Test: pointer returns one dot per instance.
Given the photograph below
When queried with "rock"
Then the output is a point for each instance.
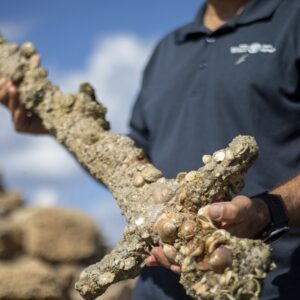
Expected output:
(9, 202)
(28, 279)
(59, 235)
(10, 239)
(67, 275)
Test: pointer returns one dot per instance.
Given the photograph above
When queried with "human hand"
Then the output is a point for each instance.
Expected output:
(242, 217)
(23, 120)
(158, 258)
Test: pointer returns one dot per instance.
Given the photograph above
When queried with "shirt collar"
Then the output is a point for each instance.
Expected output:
(255, 11)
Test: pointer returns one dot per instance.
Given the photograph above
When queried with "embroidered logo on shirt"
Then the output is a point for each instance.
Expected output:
(253, 48)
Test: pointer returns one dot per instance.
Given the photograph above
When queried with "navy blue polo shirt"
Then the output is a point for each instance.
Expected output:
(201, 89)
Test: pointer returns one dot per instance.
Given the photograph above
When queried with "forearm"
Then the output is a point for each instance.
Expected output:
(290, 193)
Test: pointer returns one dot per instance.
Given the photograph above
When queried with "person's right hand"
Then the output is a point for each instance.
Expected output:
(24, 121)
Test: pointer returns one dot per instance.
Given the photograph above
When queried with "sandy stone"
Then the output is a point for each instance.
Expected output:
(28, 279)
(58, 235)
(10, 239)
(9, 202)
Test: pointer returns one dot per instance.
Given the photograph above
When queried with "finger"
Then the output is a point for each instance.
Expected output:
(13, 101)
(228, 212)
(19, 118)
(2, 81)
(151, 261)
(3, 92)
(35, 60)
(158, 253)
(175, 269)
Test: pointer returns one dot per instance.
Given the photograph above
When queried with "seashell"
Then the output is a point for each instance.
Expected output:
(200, 289)
(40, 72)
(180, 176)
(67, 100)
(220, 259)
(219, 156)
(254, 286)
(161, 193)
(237, 186)
(140, 154)
(27, 49)
(206, 158)
(188, 229)
(139, 221)
(191, 176)
(18, 75)
(187, 264)
(170, 252)
(182, 195)
(204, 219)
(87, 89)
(151, 174)
(203, 265)
(216, 239)
(167, 229)
(179, 207)
(141, 167)
(198, 251)
(145, 235)
(229, 155)
(105, 278)
(226, 277)
(210, 166)
(129, 263)
(138, 181)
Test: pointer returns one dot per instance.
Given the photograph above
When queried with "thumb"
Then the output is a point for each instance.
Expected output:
(226, 212)
(215, 211)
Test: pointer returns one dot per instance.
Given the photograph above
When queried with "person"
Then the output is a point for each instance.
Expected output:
(233, 70)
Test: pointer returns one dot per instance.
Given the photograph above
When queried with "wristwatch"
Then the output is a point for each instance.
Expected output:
(279, 221)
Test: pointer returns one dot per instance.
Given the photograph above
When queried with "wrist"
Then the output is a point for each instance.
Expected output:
(275, 219)
(263, 217)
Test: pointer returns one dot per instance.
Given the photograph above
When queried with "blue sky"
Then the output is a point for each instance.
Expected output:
(104, 42)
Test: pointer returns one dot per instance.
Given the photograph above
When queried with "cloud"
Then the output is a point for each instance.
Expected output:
(41, 157)
(45, 196)
(107, 216)
(114, 68)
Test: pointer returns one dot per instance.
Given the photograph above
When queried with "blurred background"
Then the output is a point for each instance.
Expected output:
(106, 43)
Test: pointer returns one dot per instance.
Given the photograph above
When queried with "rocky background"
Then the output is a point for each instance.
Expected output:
(43, 250)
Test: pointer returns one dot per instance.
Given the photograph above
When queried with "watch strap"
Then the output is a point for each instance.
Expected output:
(279, 220)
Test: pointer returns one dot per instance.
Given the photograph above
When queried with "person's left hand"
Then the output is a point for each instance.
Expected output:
(242, 217)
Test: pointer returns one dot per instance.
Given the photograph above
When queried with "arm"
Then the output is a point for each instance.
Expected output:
(290, 193)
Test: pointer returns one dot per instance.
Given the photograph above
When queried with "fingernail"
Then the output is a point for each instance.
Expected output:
(215, 211)
(175, 268)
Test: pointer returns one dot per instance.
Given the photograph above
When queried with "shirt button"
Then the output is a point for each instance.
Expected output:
(210, 40)
(202, 65)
